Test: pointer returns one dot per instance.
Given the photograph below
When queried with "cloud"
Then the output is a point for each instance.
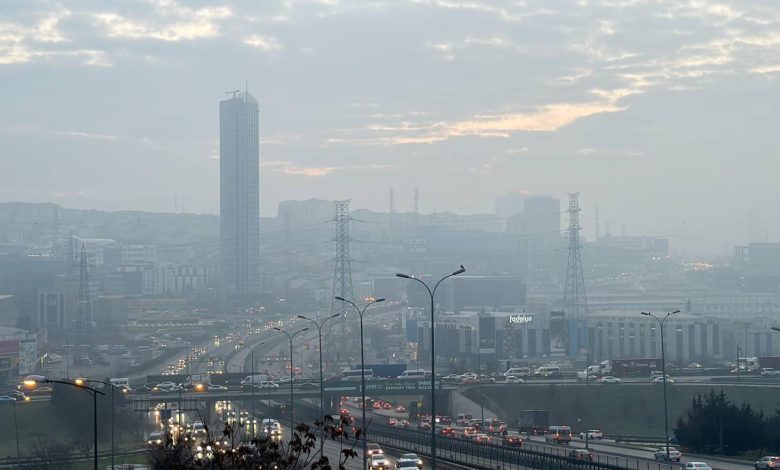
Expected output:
(89, 135)
(168, 21)
(263, 42)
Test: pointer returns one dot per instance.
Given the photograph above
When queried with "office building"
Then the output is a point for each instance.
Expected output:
(239, 194)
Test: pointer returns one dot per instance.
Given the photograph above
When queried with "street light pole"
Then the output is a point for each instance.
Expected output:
(432, 293)
(663, 371)
(16, 428)
(78, 384)
(362, 372)
(292, 406)
(322, 398)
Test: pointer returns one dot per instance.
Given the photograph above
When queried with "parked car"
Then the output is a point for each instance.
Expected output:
(767, 462)
(697, 466)
(674, 454)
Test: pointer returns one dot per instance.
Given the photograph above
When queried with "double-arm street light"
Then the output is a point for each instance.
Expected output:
(252, 421)
(292, 406)
(663, 371)
(432, 292)
(322, 400)
(80, 382)
(362, 371)
(32, 383)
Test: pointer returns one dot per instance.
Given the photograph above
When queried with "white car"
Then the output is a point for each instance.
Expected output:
(592, 434)
(608, 379)
(660, 380)
(378, 462)
(512, 379)
(267, 384)
(674, 454)
(697, 466)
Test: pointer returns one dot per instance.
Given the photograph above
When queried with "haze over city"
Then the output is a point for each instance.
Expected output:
(374, 234)
(660, 113)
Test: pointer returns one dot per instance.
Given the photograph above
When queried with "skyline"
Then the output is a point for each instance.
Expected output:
(604, 98)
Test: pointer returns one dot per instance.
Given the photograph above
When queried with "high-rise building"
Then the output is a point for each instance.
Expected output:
(239, 193)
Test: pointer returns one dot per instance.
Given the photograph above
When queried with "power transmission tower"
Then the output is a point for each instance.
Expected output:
(575, 302)
(85, 303)
(342, 275)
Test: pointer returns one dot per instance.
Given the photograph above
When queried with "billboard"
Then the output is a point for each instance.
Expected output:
(557, 334)
(28, 354)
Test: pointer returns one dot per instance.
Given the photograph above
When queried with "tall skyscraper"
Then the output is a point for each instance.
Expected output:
(239, 193)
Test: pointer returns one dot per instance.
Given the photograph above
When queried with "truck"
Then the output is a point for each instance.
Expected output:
(590, 373)
(624, 367)
(768, 362)
(533, 422)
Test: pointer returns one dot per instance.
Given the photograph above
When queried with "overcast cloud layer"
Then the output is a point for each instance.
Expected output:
(664, 113)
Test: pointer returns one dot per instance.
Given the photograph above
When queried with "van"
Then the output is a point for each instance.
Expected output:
(558, 435)
(415, 374)
(548, 371)
(254, 379)
(518, 372)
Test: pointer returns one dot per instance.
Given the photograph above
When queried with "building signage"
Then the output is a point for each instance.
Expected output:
(520, 319)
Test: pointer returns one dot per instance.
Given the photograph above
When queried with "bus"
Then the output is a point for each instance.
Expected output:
(122, 382)
(415, 374)
(354, 374)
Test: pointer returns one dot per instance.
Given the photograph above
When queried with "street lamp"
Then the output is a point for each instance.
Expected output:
(362, 371)
(663, 371)
(78, 383)
(322, 399)
(290, 336)
(460, 270)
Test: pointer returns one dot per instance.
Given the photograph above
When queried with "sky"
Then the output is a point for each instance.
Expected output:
(661, 113)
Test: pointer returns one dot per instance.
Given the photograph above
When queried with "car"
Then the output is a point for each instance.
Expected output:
(42, 390)
(674, 454)
(482, 439)
(400, 409)
(513, 440)
(155, 438)
(374, 449)
(608, 379)
(166, 385)
(447, 431)
(404, 423)
(423, 426)
(406, 464)
(513, 379)
(7, 398)
(767, 462)
(378, 462)
(217, 387)
(697, 466)
(16, 394)
(580, 454)
(344, 412)
(469, 432)
(392, 422)
(387, 406)
(768, 371)
(660, 380)
(592, 434)
(411, 458)
(142, 389)
(469, 381)
(377, 406)
(310, 386)
(265, 384)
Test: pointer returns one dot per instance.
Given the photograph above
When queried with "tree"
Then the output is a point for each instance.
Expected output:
(221, 452)
(715, 425)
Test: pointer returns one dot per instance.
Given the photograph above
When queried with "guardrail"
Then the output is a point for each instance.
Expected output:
(32, 460)
(530, 455)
